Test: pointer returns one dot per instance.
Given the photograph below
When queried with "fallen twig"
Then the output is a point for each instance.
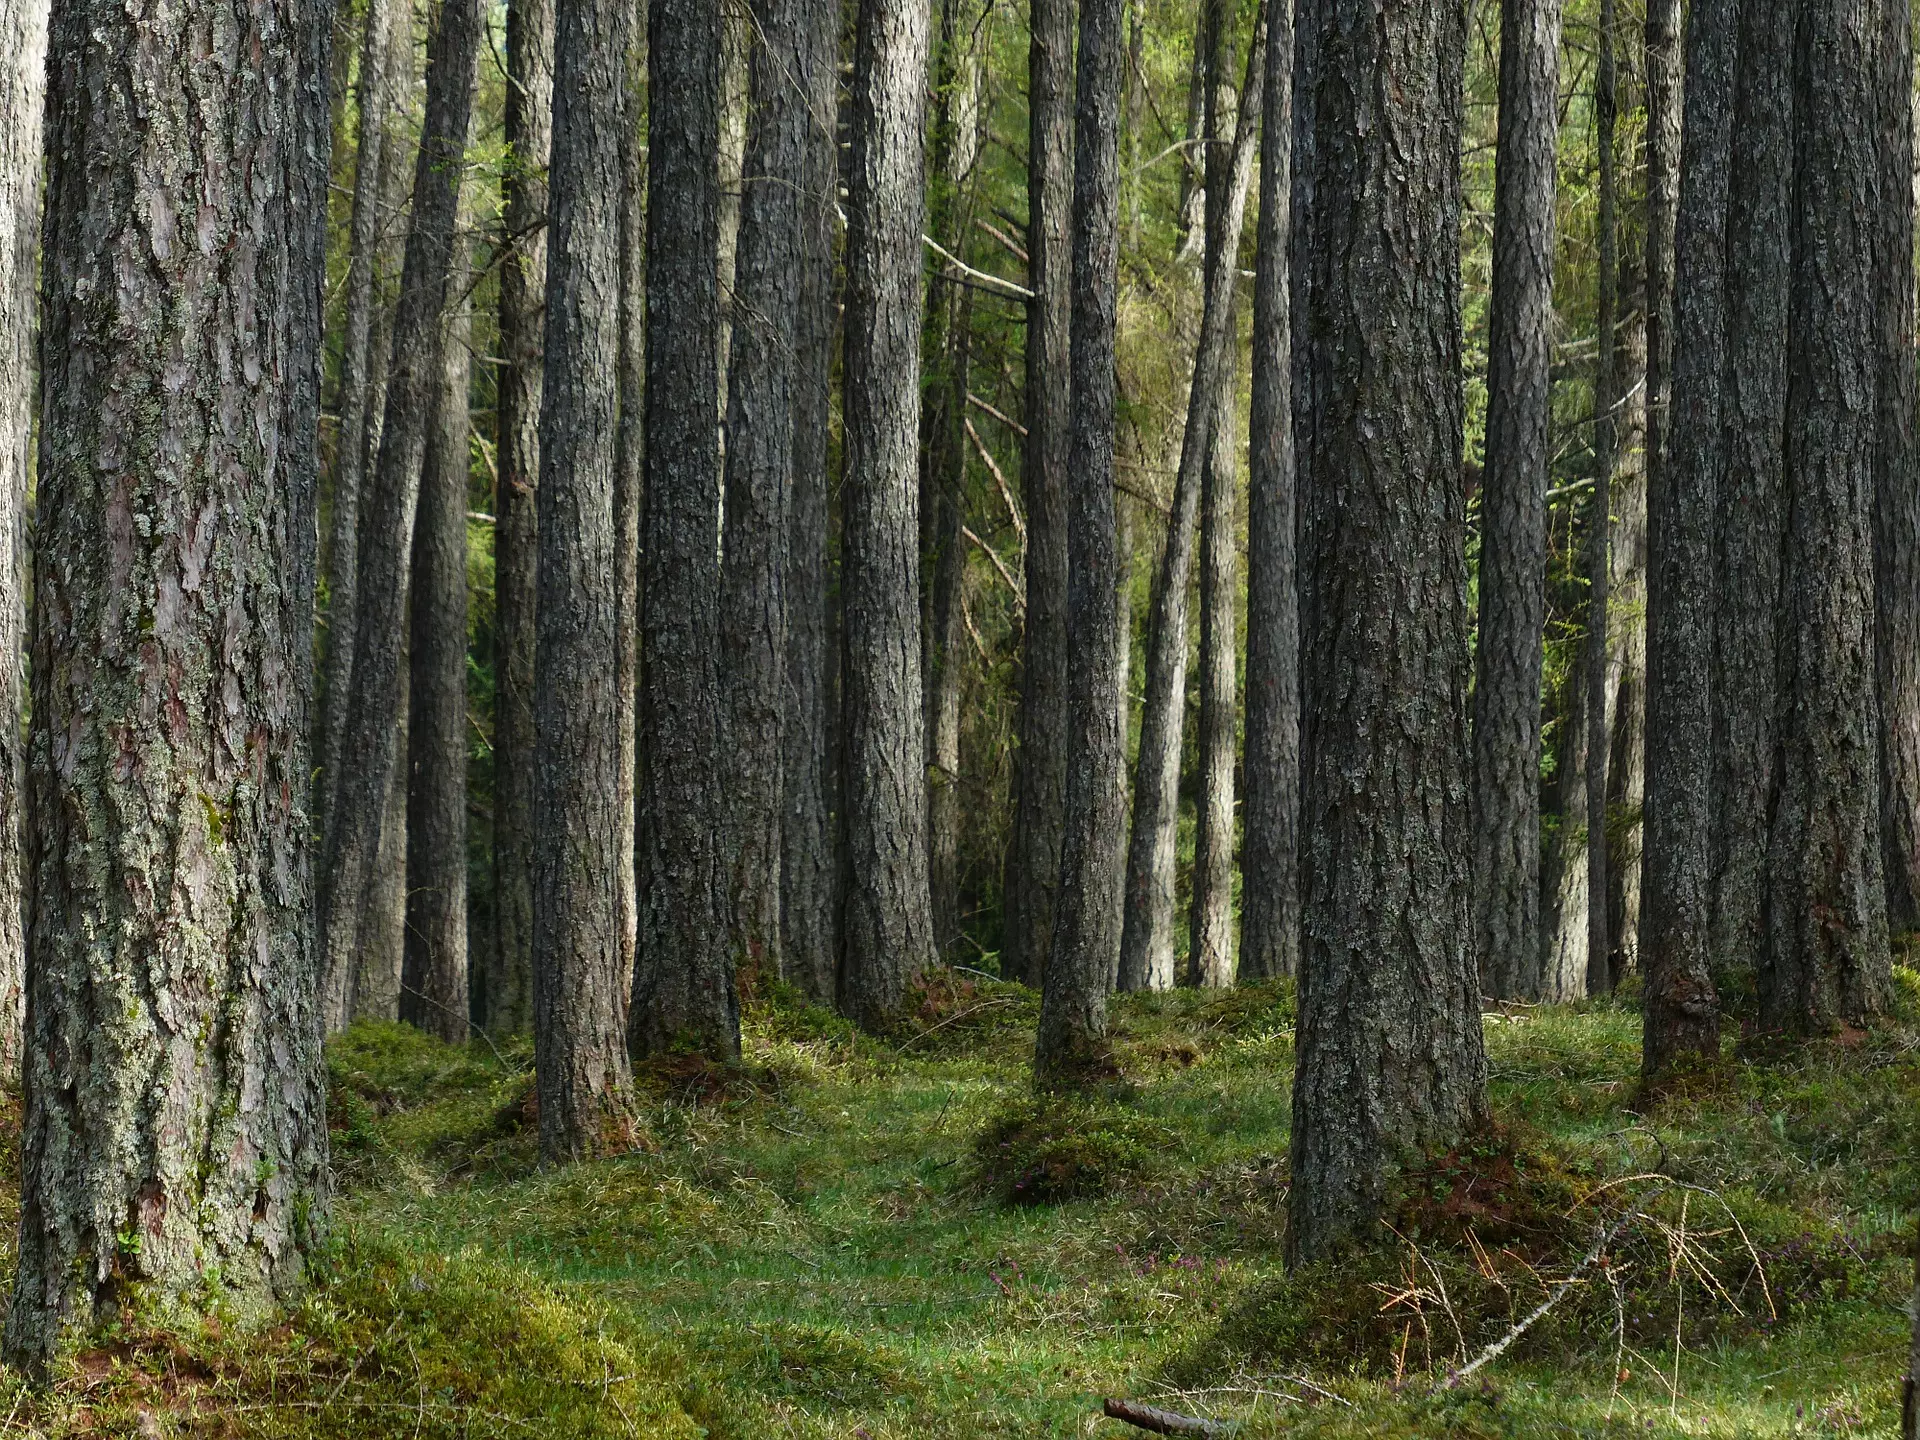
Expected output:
(1162, 1422)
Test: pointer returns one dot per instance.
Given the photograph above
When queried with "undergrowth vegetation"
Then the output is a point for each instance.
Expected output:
(893, 1238)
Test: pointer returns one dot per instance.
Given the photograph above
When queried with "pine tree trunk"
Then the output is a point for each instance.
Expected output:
(1210, 960)
(175, 1122)
(22, 103)
(381, 958)
(1072, 1039)
(506, 980)
(1682, 1025)
(889, 923)
(1033, 858)
(1513, 542)
(369, 748)
(683, 987)
(629, 481)
(1826, 960)
(1390, 1055)
(1270, 856)
(1606, 431)
(809, 907)
(433, 981)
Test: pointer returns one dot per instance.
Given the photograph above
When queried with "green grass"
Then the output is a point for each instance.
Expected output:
(830, 1247)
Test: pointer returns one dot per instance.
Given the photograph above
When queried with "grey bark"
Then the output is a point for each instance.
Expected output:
(1270, 855)
(1826, 959)
(369, 750)
(1033, 858)
(381, 956)
(175, 1104)
(1072, 1039)
(505, 978)
(22, 104)
(433, 979)
(629, 483)
(888, 936)
(1685, 340)
(1389, 1029)
(683, 986)
(1513, 541)
(1606, 432)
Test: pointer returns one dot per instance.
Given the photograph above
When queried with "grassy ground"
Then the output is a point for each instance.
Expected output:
(844, 1243)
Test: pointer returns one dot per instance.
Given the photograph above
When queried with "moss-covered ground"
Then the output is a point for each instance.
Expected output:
(858, 1238)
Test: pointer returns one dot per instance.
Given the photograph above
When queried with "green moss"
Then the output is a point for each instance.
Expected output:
(1049, 1149)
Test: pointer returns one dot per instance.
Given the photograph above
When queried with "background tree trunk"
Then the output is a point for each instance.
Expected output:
(381, 958)
(1072, 1039)
(1389, 1028)
(175, 1099)
(1513, 541)
(629, 481)
(506, 980)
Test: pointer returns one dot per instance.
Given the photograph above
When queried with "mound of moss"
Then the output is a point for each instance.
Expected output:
(1047, 1149)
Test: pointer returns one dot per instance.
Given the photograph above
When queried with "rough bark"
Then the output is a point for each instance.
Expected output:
(888, 935)
(1513, 540)
(22, 102)
(433, 979)
(1270, 854)
(1606, 431)
(369, 748)
(809, 906)
(175, 1122)
(1389, 1029)
(683, 986)
(1685, 304)
(579, 819)
(1072, 1039)
(505, 979)
(1210, 958)
(629, 481)
(381, 957)
(1825, 960)
(1033, 858)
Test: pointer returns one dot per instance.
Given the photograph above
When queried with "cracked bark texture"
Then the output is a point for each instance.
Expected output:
(1033, 858)
(354, 854)
(505, 971)
(888, 937)
(1513, 541)
(1826, 960)
(1072, 1037)
(629, 479)
(1390, 1051)
(683, 987)
(1270, 844)
(22, 104)
(1686, 308)
(433, 977)
(175, 1106)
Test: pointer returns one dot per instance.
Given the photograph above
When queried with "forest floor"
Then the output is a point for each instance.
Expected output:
(857, 1238)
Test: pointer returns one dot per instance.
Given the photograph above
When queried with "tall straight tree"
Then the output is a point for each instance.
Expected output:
(1825, 961)
(1072, 1039)
(1685, 339)
(579, 818)
(1513, 539)
(433, 989)
(683, 984)
(1606, 431)
(889, 921)
(176, 1110)
(22, 102)
(629, 478)
(1389, 1029)
(1270, 856)
(505, 977)
(1033, 857)
(369, 748)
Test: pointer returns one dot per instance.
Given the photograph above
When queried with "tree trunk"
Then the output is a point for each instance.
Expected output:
(369, 749)
(1682, 1025)
(580, 819)
(1513, 541)
(889, 923)
(1210, 946)
(1072, 1039)
(433, 981)
(22, 101)
(1389, 1029)
(1033, 858)
(1270, 855)
(683, 986)
(809, 905)
(629, 481)
(175, 1123)
(1606, 431)
(1825, 961)
(506, 979)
